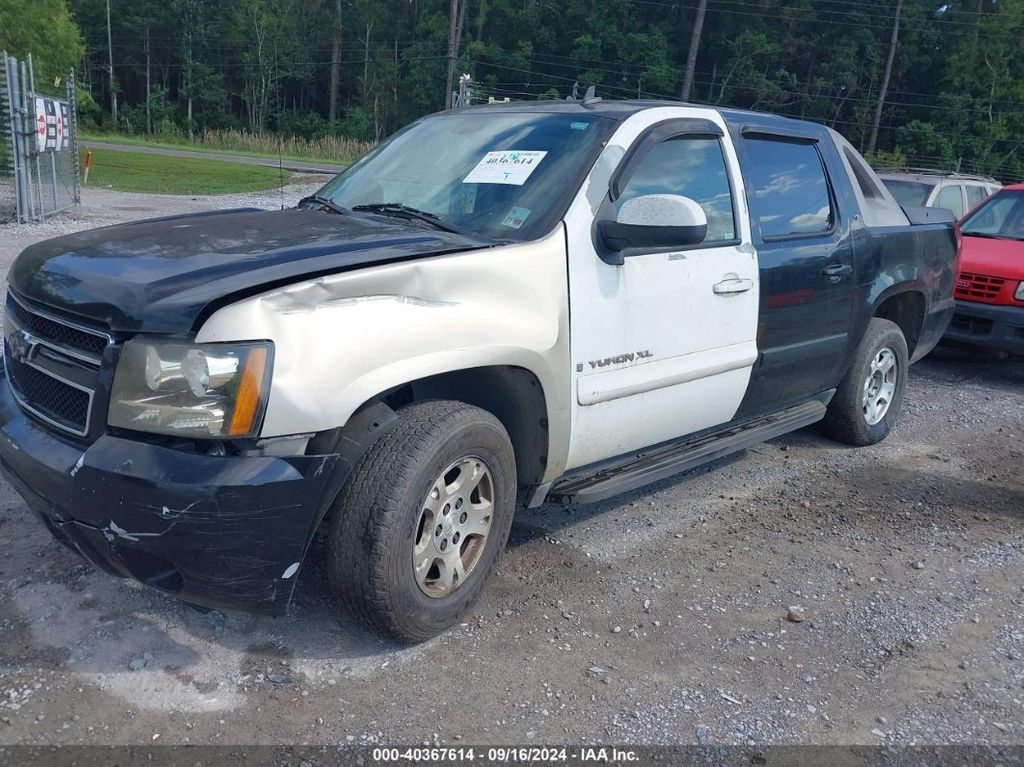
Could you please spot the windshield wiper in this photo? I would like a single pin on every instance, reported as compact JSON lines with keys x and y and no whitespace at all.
{"x":399,"y":210}
{"x":323,"y":202}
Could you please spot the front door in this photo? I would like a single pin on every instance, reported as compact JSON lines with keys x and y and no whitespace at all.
{"x":662,"y":344}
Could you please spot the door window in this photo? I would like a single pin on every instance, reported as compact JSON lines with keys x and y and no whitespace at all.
{"x":789,"y":190}
{"x":950,"y":198}
{"x":693,"y":167}
{"x":975,"y":194}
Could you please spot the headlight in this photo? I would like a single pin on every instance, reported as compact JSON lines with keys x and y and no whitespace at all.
{"x":1019,"y":295}
{"x":191,"y":390}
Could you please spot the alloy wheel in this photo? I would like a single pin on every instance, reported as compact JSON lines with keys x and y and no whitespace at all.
{"x":455,"y":520}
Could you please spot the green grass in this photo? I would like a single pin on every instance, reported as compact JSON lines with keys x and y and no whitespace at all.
{"x":133,"y":172}
{"x":115,"y":138}
{"x":336,"y":150}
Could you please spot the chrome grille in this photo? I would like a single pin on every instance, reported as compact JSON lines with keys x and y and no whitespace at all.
{"x":71,"y":339}
{"x":52,"y":365}
{"x":61,"y":403}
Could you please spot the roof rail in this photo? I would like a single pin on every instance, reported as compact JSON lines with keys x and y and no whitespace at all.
{"x":936,"y":172}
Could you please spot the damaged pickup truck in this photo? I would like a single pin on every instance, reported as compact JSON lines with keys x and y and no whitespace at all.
{"x":538,"y":301}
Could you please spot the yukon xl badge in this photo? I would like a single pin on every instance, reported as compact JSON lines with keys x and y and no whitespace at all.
{"x":618,"y":359}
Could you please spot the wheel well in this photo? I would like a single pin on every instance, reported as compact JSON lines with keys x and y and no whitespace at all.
{"x":513,"y":395}
{"x":907,"y":311}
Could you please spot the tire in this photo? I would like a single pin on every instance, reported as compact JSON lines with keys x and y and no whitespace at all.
{"x":388,"y":514}
{"x":851,"y":417}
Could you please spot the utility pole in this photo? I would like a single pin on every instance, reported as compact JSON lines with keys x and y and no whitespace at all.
{"x":149,"y":113}
{"x":332,"y":110}
{"x":691,"y":56}
{"x":453,"y":38}
{"x":110,"y":60}
{"x":885,"y":78}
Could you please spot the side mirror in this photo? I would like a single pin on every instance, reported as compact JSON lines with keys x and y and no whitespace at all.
{"x":655,"y":221}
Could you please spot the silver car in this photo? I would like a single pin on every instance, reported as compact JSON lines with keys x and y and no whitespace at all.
{"x":958,"y":192}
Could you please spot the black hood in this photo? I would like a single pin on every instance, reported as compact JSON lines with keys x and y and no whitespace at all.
{"x":163,"y":275}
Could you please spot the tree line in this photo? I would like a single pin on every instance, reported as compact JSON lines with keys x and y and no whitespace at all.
{"x":937,"y":83}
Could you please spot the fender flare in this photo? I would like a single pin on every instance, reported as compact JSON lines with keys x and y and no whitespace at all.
{"x":350,"y":443}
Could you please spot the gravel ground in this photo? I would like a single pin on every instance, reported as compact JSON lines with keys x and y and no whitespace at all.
{"x":103,"y":207}
{"x":660,"y":617}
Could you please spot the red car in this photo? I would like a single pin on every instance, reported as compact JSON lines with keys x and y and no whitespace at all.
{"x":989,"y":289}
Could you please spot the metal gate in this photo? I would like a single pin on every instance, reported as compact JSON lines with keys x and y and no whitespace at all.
{"x":39,"y":173}
{"x":9,"y":206}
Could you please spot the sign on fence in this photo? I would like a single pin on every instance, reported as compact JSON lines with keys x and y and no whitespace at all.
{"x":52,"y":125}
{"x":39,"y":173}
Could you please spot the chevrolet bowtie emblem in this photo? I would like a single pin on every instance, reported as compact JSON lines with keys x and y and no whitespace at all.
{"x":23,"y":346}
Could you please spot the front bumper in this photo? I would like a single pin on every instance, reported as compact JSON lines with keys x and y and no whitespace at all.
{"x":999,"y":327}
{"x":216,"y":531}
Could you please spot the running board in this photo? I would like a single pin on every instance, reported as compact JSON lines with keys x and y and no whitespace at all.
{"x":660,"y":462}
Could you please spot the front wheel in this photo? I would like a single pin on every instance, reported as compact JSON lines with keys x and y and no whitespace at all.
{"x":867,"y":403}
{"x":421,"y":521}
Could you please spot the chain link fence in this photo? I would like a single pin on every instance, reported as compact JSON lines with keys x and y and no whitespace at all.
{"x":8,"y":188}
{"x":39,"y":167}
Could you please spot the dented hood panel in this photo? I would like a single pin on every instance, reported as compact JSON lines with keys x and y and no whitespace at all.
{"x":163,"y":275}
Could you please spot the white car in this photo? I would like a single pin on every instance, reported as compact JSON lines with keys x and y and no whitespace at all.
{"x":957,"y":192}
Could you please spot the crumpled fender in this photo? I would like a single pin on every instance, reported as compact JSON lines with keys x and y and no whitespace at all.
{"x":342,"y":339}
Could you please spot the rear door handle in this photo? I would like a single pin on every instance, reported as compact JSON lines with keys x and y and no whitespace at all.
{"x":837,"y":270}
{"x":732,"y":285}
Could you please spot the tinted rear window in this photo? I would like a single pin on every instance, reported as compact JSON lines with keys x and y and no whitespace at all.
{"x":909,"y":194}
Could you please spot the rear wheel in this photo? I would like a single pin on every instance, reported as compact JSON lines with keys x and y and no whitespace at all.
{"x":867,"y":403}
{"x":421,"y":521}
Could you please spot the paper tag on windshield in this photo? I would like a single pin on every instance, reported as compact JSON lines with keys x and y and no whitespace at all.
{"x":511,"y":167}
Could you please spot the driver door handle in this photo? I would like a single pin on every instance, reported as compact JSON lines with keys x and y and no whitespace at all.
{"x":732,"y":284}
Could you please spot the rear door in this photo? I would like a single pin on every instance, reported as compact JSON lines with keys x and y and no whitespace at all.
{"x":805,"y":252}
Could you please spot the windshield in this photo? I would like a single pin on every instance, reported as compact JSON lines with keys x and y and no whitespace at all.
{"x":909,"y":194}
{"x":1001,"y":217}
{"x":503,"y":176}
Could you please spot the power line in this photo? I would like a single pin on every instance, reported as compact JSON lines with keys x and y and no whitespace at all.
{"x":761,"y":14}
{"x":833,"y":121}
{"x":544,"y":58}
{"x":876,"y":8}
{"x":273,"y":65}
{"x":803,"y":95}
